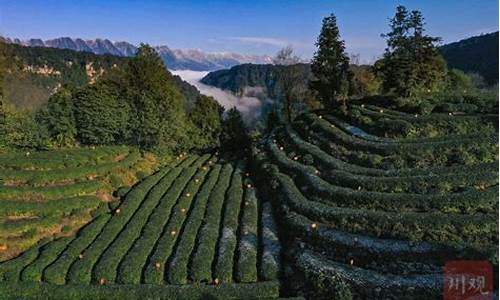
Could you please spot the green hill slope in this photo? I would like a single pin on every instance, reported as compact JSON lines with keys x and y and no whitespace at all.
{"x":478,"y":54}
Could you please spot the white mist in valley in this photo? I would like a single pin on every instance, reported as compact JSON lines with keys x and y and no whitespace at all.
{"x":250,"y":105}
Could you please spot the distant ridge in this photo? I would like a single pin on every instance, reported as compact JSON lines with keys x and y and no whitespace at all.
{"x":477,"y":54}
{"x":175,"y":59}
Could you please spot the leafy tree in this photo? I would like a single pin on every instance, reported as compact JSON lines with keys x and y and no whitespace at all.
{"x":58,"y":118}
{"x":330,"y":65}
{"x":2,"y":69}
{"x":206,"y":118}
{"x":158,"y":121}
{"x":286,"y":56}
{"x":364,"y":81}
{"x":20,"y":130}
{"x":100,"y":115}
{"x":2,"y":105}
{"x":461,"y":82}
{"x":290,"y":80}
{"x":411,"y":64}
{"x":234,"y":137}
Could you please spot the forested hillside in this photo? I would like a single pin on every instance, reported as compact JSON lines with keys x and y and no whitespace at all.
{"x":478,"y":54}
{"x":251,"y":75}
{"x":35,"y":73}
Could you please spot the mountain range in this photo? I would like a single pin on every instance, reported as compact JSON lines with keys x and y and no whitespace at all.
{"x":175,"y":59}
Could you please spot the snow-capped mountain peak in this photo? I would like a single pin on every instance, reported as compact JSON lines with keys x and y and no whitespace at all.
{"x":175,"y":59}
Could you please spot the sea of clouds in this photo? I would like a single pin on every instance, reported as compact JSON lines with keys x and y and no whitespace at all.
{"x":250,"y":104}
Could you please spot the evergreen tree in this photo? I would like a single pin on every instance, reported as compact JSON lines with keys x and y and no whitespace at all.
{"x":330,"y":65}
{"x":411,"y":64}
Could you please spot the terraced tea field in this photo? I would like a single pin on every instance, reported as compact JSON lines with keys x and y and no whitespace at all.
{"x":378,"y":216}
{"x":43,"y":194}
{"x":369,"y":203}
{"x":195,"y":229}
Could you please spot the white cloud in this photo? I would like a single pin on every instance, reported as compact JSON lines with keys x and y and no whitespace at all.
{"x":250,"y":107}
{"x":259,"y":40}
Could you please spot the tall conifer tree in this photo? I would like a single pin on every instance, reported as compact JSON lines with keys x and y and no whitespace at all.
{"x":330,"y":65}
{"x":411,"y":63}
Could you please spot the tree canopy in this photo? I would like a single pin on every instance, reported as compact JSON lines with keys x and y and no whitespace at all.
{"x":411,"y":64}
{"x":137,"y":104}
{"x":330,"y":65}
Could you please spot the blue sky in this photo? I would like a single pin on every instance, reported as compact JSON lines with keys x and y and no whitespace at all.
{"x":251,"y":27}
